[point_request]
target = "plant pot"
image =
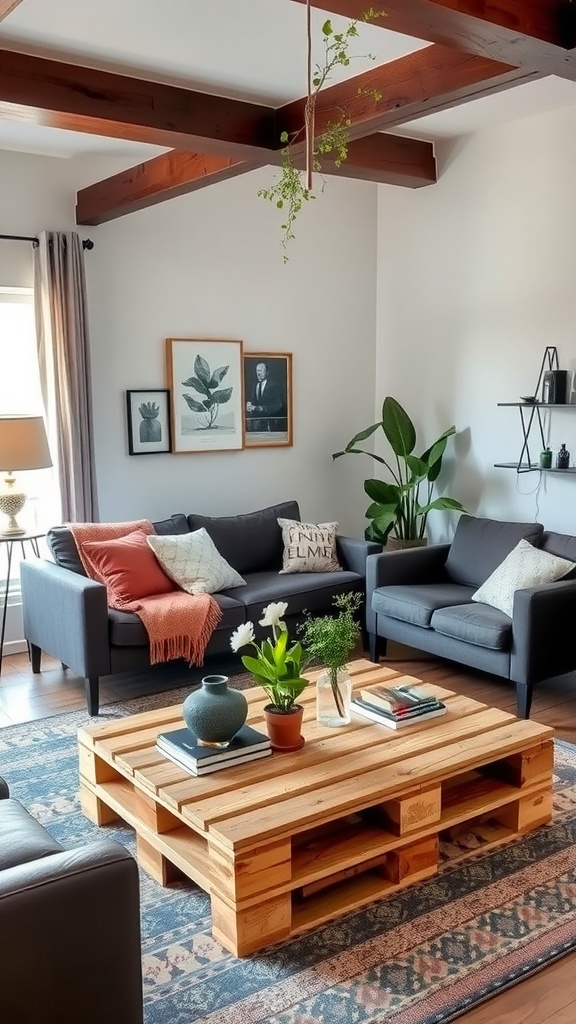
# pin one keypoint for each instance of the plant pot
(215, 712)
(399, 544)
(333, 705)
(284, 728)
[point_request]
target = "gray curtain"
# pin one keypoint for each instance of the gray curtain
(63, 353)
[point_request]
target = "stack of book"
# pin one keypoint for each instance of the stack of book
(398, 706)
(182, 747)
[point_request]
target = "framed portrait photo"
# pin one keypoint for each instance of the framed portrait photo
(148, 421)
(268, 399)
(207, 394)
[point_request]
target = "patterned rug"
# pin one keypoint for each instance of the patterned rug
(423, 956)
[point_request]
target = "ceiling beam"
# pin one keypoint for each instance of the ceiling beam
(7, 6)
(522, 32)
(425, 81)
(60, 95)
(388, 159)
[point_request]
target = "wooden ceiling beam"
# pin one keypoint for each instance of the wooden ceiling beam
(60, 95)
(534, 33)
(387, 159)
(7, 6)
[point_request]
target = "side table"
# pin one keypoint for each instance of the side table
(9, 540)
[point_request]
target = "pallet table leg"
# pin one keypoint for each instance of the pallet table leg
(527, 813)
(155, 863)
(243, 931)
(95, 809)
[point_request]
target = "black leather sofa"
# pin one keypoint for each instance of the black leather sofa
(69, 927)
(66, 614)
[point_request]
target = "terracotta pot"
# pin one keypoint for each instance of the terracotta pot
(398, 544)
(284, 728)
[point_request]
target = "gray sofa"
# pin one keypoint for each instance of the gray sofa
(67, 616)
(422, 597)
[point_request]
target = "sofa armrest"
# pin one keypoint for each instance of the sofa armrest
(66, 615)
(70, 938)
(4, 791)
(542, 632)
(353, 552)
(400, 568)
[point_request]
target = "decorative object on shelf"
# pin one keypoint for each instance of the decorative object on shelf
(330, 639)
(563, 458)
(545, 458)
(555, 387)
(23, 446)
(215, 712)
(396, 507)
(549, 362)
(277, 668)
(532, 415)
(148, 419)
(529, 399)
(206, 390)
(268, 399)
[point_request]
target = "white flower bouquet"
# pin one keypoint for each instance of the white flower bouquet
(276, 665)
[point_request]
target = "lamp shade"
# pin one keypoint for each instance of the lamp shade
(23, 443)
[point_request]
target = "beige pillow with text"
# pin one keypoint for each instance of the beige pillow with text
(309, 547)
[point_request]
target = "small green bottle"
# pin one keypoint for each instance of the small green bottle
(546, 458)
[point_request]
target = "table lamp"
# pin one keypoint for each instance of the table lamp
(23, 445)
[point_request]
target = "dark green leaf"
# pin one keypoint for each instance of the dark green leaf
(382, 492)
(398, 427)
(327, 28)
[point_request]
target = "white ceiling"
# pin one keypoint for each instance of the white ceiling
(248, 49)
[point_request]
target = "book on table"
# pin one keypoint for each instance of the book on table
(214, 766)
(392, 698)
(402, 717)
(185, 746)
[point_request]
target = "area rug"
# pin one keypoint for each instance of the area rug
(424, 956)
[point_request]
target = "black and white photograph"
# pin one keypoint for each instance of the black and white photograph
(207, 389)
(148, 419)
(268, 399)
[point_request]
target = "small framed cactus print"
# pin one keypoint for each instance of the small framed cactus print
(148, 419)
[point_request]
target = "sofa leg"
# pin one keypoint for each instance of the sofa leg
(376, 647)
(523, 699)
(92, 695)
(35, 657)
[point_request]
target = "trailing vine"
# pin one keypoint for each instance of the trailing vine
(294, 187)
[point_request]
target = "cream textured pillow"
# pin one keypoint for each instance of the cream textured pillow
(193, 561)
(525, 566)
(309, 547)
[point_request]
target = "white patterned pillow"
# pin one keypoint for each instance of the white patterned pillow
(193, 561)
(309, 547)
(525, 566)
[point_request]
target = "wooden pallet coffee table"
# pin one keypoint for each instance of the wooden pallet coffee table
(287, 842)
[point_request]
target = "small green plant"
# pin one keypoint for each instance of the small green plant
(330, 639)
(207, 384)
(295, 187)
(277, 667)
(396, 506)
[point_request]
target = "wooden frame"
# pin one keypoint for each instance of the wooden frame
(268, 425)
(148, 434)
(207, 394)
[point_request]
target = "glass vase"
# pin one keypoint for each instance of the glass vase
(333, 696)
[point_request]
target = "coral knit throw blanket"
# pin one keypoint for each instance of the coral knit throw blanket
(179, 625)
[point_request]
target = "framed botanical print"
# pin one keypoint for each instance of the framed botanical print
(148, 421)
(268, 399)
(207, 394)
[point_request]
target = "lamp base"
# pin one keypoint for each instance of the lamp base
(12, 530)
(11, 503)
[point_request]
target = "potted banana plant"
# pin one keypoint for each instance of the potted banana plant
(399, 510)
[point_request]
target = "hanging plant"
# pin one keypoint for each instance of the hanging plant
(294, 187)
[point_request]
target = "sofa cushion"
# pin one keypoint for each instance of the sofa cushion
(309, 547)
(480, 545)
(304, 591)
(194, 563)
(418, 602)
(128, 568)
(22, 838)
(65, 553)
(475, 624)
(126, 629)
(563, 545)
(525, 566)
(250, 542)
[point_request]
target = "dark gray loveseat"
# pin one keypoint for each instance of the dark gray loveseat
(422, 597)
(67, 616)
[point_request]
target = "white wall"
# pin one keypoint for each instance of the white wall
(476, 276)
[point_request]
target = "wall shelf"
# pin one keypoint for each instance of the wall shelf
(530, 418)
(523, 467)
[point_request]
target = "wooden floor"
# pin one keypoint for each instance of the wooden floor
(549, 996)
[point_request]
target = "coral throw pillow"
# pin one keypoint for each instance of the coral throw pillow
(128, 567)
(309, 547)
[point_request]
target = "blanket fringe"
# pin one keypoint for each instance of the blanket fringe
(184, 645)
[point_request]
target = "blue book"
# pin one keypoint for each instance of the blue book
(183, 744)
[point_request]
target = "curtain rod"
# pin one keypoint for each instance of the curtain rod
(87, 243)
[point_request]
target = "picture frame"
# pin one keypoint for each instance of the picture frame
(206, 385)
(268, 406)
(148, 421)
